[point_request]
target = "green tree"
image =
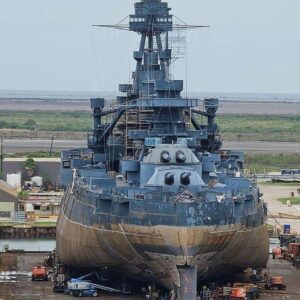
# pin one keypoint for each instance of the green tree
(30, 124)
(23, 195)
(30, 166)
(3, 124)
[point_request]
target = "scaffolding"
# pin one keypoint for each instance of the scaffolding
(133, 119)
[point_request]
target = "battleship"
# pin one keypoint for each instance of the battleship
(154, 196)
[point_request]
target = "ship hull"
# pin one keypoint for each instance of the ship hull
(156, 251)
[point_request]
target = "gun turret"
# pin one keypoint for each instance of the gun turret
(169, 178)
(180, 157)
(185, 178)
(165, 157)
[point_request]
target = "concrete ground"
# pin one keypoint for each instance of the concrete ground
(281, 267)
(25, 289)
(271, 195)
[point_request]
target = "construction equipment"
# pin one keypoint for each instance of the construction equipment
(252, 290)
(238, 293)
(279, 252)
(82, 287)
(276, 282)
(39, 273)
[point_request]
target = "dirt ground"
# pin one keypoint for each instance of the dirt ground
(271, 194)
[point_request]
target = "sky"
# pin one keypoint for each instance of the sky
(252, 46)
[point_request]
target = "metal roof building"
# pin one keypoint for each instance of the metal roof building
(8, 201)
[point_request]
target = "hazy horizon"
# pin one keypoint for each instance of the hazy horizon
(86, 95)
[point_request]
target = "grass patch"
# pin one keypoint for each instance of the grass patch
(270, 226)
(46, 121)
(232, 127)
(260, 127)
(44, 224)
(261, 163)
(270, 183)
(294, 200)
(33, 224)
(39, 154)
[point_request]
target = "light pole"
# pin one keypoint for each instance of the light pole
(51, 147)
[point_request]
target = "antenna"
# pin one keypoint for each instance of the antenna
(127, 28)
(117, 26)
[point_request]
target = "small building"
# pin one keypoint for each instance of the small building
(47, 168)
(44, 204)
(8, 202)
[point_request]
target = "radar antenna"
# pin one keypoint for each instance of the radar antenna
(127, 28)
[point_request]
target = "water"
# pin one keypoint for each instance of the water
(29, 244)
(52, 95)
(65, 95)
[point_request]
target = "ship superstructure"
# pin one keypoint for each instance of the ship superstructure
(154, 195)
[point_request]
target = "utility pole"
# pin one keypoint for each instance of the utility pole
(1, 157)
(51, 147)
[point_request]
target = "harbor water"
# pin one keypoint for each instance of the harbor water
(42, 245)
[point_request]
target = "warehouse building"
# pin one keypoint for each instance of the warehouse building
(8, 202)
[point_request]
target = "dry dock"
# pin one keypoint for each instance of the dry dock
(292, 280)
(24, 288)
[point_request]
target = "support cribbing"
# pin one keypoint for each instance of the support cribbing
(188, 283)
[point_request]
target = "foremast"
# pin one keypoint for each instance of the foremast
(170, 117)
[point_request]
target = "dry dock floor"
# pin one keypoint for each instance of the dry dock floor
(281, 267)
(25, 289)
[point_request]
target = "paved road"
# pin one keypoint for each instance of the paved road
(267, 147)
(30, 145)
